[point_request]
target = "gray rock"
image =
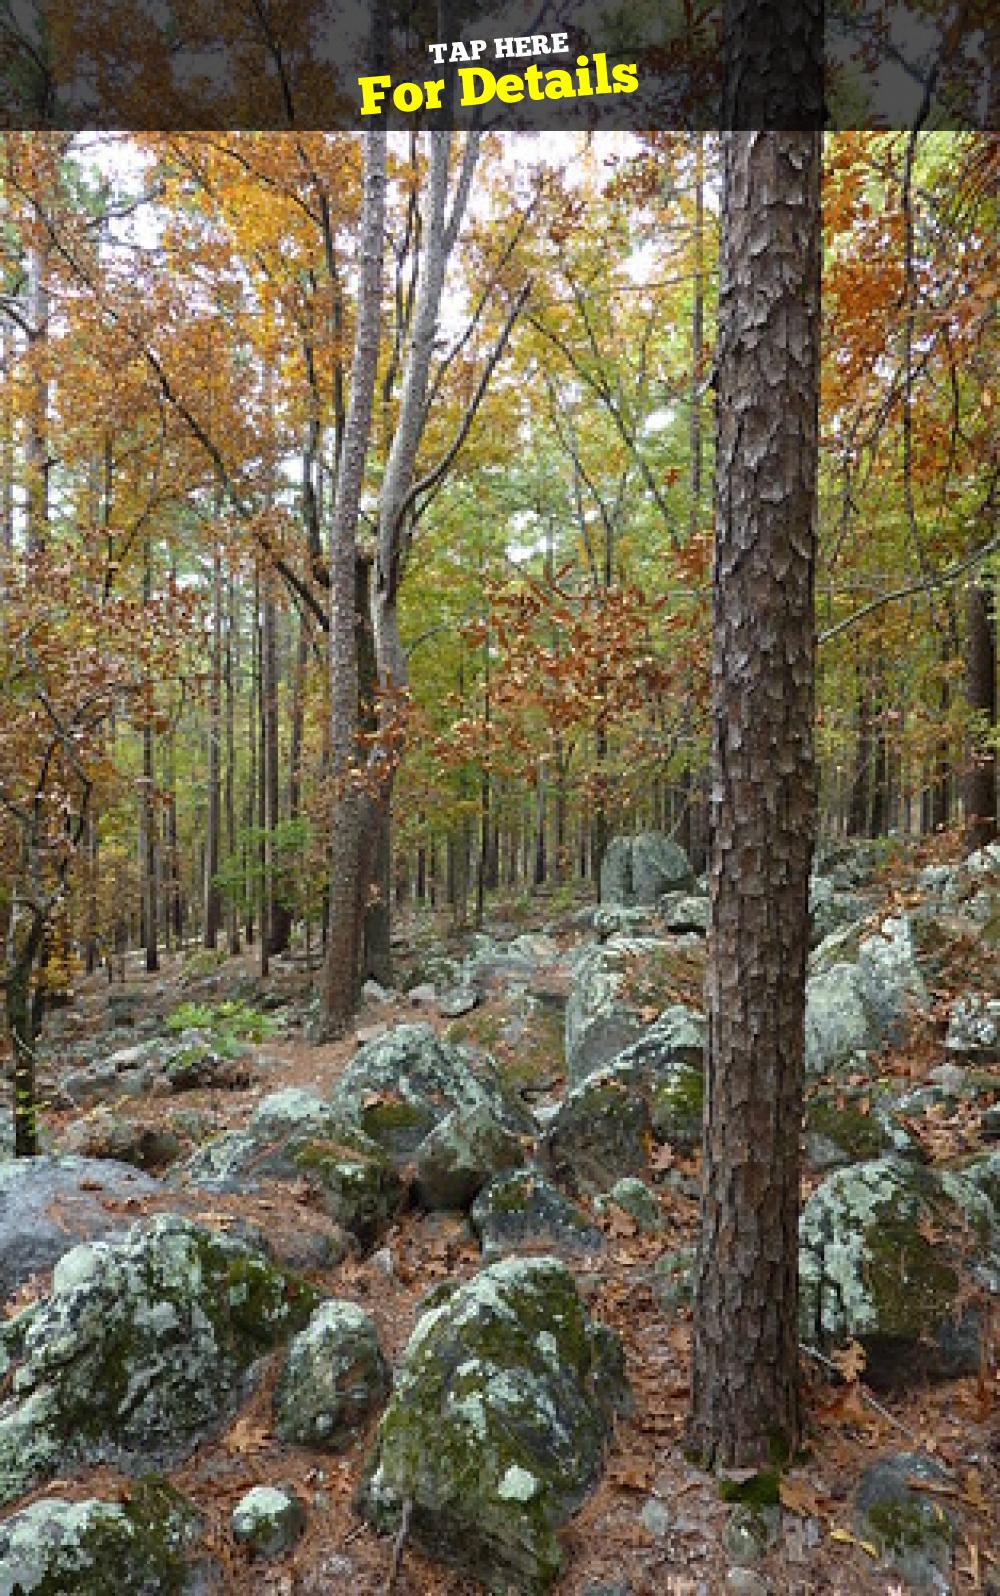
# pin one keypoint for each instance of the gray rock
(497, 1426)
(460, 1000)
(603, 1017)
(641, 869)
(747, 1581)
(634, 1198)
(268, 1520)
(292, 1111)
(333, 1378)
(398, 1087)
(974, 1027)
(70, 1547)
(855, 1004)
(601, 1131)
(913, 1530)
(464, 1151)
(684, 911)
(48, 1204)
(353, 1180)
(655, 1518)
(750, 1532)
(424, 992)
(852, 1126)
(831, 910)
(104, 1134)
(524, 1212)
(142, 1347)
(881, 1260)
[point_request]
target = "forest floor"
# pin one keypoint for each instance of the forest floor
(654, 1521)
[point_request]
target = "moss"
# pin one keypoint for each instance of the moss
(677, 1105)
(906, 1526)
(144, 1539)
(908, 1282)
(760, 1490)
(860, 1136)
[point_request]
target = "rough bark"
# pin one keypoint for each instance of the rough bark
(344, 910)
(981, 692)
(213, 901)
(745, 1377)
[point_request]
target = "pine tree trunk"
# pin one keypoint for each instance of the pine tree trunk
(745, 1401)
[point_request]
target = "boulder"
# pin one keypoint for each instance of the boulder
(853, 1126)
(860, 993)
(497, 1426)
(464, 1151)
(398, 1087)
(641, 869)
(600, 1132)
(47, 1205)
(142, 1347)
(912, 1529)
(974, 1027)
(268, 1520)
(147, 1144)
(830, 910)
(524, 1212)
(604, 1012)
(353, 1181)
(333, 1378)
(635, 1199)
(69, 1548)
(882, 1261)
(662, 1068)
(684, 911)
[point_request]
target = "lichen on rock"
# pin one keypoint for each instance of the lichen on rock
(497, 1425)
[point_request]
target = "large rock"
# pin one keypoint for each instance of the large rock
(854, 1126)
(663, 1068)
(70, 1548)
(600, 1132)
(349, 1174)
(142, 1347)
(606, 1010)
(47, 1205)
(399, 1086)
(641, 869)
(912, 1529)
(497, 1426)
(334, 1376)
(524, 1212)
(860, 993)
(882, 1260)
(464, 1151)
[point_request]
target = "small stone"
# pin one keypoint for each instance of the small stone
(655, 1518)
(751, 1531)
(425, 992)
(268, 1520)
(458, 1002)
(374, 992)
(384, 1262)
(747, 1582)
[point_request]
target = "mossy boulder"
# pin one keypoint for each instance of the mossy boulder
(635, 1199)
(849, 1127)
(464, 1151)
(353, 1180)
(334, 1376)
(912, 1529)
(142, 1347)
(604, 1012)
(600, 1132)
(400, 1085)
(860, 992)
(676, 1106)
(268, 1520)
(523, 1212)
(60, 1548)
(498, 1424)
(887, 1250)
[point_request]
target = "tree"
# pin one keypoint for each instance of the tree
(744, 1400)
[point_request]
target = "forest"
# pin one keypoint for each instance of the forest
(494, 671)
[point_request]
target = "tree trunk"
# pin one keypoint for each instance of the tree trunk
(344, 911)
(981, 692)
(20, 1027)
(149, 848)
(230, 782)
(745, 1402)
(213, 902)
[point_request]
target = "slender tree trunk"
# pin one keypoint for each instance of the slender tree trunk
(150, 850)
(981, 691)
(745, 1401)
(213, 901)
(21, 1029)
(37, 464)
(345, 909)
(230, 781)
